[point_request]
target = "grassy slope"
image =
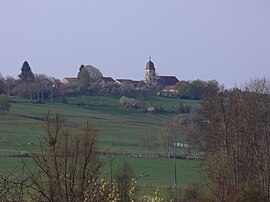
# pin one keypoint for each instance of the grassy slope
(120, 128)
(155, 171)
(158, 171)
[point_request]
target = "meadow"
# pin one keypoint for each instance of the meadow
(151, 171)
(120, 130)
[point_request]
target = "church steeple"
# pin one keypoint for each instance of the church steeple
(150, 71)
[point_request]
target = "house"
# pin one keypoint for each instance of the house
(69, 80)
(170, 89)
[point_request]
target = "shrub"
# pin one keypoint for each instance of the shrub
(130, 103)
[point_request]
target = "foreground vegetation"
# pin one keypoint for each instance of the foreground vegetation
(68, 168)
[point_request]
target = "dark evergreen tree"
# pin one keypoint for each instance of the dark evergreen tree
(26, 73)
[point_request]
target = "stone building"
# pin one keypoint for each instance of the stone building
(150, 72)
(152, 78)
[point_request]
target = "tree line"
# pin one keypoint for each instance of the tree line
(196, 89)
(28, 85)
(40, 86)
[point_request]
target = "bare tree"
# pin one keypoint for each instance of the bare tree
(148, 142)
(43, 85)
(10, 84)
(124, 178)
(193, 138)
(168, 135)
(237, 142)
(66, 168)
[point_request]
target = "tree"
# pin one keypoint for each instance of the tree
(149, 142)
(26, 73)
(183, 89)
(5, 104)
(84, 79)
(192, 137)
(237, 142)
(212, 87)
(44, 86)
(25, 88)
(66, 167)
(2, 84)
(10, 84)
(123, 179)
(169, 134)
(94, 73)
(197, 89)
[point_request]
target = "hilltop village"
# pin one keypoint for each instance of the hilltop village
(90, 81)
(166, 84)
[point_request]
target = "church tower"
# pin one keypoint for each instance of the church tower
(150, 71)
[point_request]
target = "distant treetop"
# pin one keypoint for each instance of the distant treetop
(94, 73)
(26, 73)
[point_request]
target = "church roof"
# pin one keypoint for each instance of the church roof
(150, 65)
(166, 80)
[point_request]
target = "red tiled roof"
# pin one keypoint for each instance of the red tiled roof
(71, 79)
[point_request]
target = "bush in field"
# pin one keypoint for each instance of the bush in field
(159, 108)
(130, 103)
(5, 104)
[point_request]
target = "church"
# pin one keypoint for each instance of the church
(152, 78)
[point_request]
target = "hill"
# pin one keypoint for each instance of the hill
(120, 129)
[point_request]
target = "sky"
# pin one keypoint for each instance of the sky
(225, 40)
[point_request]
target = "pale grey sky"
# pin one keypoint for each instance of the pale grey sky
(226, 40)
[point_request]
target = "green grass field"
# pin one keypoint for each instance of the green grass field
(158, 171)
(120, 127)
(155, 171)
(120, 130)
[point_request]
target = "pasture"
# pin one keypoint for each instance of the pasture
(153, 171)
(120, 130)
